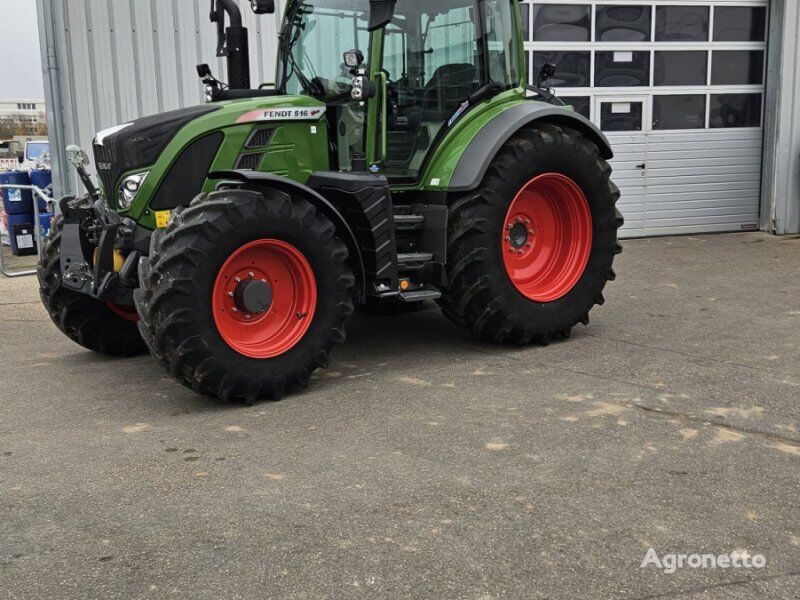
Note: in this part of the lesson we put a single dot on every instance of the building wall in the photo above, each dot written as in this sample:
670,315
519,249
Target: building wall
32,111
110,61
780,205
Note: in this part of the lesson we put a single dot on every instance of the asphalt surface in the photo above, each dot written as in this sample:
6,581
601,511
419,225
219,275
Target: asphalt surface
425,463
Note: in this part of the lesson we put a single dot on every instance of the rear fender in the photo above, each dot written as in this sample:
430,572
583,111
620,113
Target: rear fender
256,180
480,152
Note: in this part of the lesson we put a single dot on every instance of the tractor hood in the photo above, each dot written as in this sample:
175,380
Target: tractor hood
139,143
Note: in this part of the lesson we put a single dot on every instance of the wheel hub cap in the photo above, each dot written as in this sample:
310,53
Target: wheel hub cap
547,237
253,296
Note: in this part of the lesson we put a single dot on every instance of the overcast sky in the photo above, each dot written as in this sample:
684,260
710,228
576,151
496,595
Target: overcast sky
21,75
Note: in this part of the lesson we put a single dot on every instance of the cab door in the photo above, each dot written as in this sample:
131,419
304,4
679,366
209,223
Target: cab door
436,55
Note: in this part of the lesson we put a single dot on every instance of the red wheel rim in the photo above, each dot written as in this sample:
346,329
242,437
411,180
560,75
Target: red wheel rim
286,320
129,314
547,237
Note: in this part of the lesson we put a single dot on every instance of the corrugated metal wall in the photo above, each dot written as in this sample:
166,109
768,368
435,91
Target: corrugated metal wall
110,61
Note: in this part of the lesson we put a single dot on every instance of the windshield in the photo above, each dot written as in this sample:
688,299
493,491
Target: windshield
37,150
315,37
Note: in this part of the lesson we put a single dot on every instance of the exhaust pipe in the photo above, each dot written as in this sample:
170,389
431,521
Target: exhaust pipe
233,42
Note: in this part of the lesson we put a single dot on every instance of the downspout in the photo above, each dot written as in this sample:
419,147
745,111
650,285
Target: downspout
55,113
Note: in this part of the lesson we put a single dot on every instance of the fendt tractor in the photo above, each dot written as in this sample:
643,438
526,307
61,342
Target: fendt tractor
400,156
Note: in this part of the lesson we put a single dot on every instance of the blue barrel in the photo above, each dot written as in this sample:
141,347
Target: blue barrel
16,202
21,234
43,179
45,222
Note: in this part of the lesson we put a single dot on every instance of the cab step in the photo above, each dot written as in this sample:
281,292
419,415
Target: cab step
427,293
409,222
413,261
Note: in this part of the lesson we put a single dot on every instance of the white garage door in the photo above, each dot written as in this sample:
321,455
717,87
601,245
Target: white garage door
678,87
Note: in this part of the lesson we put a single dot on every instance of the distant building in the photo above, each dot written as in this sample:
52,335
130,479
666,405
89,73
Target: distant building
29,112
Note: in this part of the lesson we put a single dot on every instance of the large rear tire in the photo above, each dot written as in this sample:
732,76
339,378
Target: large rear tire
245,294
97,326
531,250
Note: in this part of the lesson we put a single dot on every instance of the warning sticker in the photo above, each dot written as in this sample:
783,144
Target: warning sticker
162,218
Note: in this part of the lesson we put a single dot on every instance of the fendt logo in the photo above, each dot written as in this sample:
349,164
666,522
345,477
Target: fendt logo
283,114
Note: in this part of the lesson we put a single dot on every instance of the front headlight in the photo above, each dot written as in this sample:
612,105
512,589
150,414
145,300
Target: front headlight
129,189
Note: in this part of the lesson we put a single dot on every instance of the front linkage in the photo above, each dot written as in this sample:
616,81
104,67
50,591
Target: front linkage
100,251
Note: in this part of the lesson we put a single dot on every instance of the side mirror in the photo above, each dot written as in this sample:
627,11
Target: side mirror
77,156
380,13
203,71
548,71
263,7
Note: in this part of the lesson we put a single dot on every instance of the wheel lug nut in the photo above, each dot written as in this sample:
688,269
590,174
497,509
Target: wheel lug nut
508,239
237,279
251,275
234,309
521,252
230,294
527,221
529,245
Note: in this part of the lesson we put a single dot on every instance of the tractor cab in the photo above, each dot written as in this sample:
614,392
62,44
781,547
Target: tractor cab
425,65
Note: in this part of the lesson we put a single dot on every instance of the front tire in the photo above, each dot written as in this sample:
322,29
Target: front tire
245,294
531,250
97,326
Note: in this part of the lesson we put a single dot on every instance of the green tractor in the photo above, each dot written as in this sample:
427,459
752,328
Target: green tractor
398,157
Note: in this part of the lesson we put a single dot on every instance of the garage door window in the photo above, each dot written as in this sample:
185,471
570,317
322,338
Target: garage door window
682,23
561,22
573,68
622,69
684,111
735,110
740,24
737,67
623,24
621,116
676,67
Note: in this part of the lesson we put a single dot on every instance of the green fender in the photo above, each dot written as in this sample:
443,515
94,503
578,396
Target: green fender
466,151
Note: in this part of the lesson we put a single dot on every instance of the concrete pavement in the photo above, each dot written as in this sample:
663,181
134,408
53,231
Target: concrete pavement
426,463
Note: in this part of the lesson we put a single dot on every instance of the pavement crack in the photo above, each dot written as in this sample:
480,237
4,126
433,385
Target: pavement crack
700,420
705,588
688,355
772,437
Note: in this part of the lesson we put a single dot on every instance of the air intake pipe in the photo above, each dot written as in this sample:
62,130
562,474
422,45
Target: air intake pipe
232,42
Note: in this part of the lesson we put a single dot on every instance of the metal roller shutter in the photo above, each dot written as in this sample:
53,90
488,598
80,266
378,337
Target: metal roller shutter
678,87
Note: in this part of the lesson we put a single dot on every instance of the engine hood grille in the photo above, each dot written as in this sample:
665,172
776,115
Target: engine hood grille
140,144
